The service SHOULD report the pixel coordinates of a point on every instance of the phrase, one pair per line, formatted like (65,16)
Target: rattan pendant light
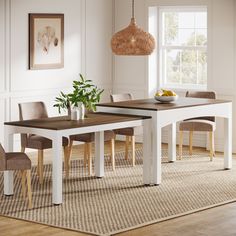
(132,40)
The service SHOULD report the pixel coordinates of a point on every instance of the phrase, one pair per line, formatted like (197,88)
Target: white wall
(131,73)
(88,26)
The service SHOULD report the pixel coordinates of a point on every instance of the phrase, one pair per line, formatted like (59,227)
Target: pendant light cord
(132,8)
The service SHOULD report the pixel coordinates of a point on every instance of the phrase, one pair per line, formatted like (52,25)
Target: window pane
(172,61)
(201,37)
(189,75)
(186,20)
(202,67)
(173,57)
(186,37)
(173,75)
(201,20)
(170,28)
(189,58)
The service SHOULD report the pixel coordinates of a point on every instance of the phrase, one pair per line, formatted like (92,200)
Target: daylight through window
(183,47)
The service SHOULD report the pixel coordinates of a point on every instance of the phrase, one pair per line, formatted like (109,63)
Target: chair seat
(197,125)
(17,161)
(90,137)
(39,142)
(130,131)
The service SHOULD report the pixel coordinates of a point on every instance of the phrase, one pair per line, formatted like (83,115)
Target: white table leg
(8,175)
(172,142)
(57,169)
(99,154)
(228,143)
(147,161)
(156,150)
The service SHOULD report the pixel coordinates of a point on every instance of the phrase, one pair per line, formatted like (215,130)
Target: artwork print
(46,41)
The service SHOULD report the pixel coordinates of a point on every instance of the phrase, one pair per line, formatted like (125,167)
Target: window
(183,47)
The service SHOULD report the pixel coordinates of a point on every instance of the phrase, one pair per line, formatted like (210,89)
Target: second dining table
(168,114)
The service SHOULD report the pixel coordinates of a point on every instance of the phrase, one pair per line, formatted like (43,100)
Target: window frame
(162,47)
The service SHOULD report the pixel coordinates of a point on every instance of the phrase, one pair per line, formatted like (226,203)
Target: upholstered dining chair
(128,132)
(37,110)
(18,161)
(88,139)
(201,124)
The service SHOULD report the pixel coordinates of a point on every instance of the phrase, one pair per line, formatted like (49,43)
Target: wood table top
(152,104)
(63,122)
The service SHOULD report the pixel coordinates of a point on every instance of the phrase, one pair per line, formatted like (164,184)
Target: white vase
(81,111)
(69,112)
(74,114)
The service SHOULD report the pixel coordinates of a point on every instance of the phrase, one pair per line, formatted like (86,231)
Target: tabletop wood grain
(152,104)
(63,122)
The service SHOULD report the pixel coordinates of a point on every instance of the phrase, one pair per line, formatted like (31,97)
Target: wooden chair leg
(19,174)
(28,176)
(190,143)
(70,149)
(22,149)
(133,149)
(180,144)
(23,178)
(40,165)
(89,150)
(112,157)
(127,148)
(211,136)
(85,154)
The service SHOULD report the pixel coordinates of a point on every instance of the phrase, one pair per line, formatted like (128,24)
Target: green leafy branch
(84,91)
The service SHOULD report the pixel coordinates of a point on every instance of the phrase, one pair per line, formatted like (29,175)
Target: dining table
(55,128)
(168,114)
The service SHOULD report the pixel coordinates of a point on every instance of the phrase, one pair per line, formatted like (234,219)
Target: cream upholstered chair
(37,110)
(88,139)
(206,124)
(128,132)
(18,161)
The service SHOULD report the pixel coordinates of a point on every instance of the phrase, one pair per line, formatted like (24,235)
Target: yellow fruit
(158,94)
(168,93)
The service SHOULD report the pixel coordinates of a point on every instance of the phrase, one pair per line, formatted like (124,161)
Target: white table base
(169,117)
(56,137)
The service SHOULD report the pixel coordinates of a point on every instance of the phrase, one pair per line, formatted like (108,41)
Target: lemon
(168,93)
(158,94)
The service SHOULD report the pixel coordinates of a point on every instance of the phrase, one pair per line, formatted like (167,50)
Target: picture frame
(46,41)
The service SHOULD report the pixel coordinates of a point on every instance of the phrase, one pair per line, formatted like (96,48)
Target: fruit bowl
(166,99)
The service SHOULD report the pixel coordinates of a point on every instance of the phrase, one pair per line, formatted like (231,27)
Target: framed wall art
(46,41)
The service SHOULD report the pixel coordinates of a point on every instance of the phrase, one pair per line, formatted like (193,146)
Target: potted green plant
(85,96)
(63,103)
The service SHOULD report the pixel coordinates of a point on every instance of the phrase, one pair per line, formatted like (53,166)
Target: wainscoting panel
(2,46)
(2,119)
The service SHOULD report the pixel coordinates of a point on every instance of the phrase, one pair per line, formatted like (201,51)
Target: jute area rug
(119,201)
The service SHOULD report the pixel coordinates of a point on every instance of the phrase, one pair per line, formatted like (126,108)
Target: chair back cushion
(32,110)
(2,158)
(121,97)
(29,111)
(206,95)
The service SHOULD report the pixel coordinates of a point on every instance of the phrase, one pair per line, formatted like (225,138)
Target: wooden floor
(218,221)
